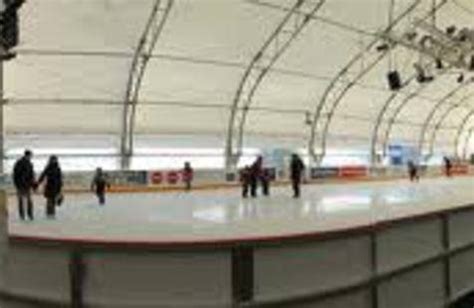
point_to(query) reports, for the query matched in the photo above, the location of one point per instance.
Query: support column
(2, 126)
(446, 259)
(3, 238)
(76, 276)
(242, 275)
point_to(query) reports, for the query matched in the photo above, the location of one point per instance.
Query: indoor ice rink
(253, 153)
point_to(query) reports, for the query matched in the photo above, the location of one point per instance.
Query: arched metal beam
(460, 130)
(445, 99)
(143, 51)
(320, 115)
(380, 119)
(261, 64)
(444, 116)
(393, 119)
(469, 136)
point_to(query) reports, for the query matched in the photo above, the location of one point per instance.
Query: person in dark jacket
(53, 176)
(255, 175)
(413, 171)
(296, 172)
(245, 181)
(265, 180)
(448, 166)
(100, 184)
(24, 181)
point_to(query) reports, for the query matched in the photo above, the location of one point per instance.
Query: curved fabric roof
(75, 58)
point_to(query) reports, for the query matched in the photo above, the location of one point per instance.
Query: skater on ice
(53, 177)
(413, 171)
(188, 176)
(100, 184)
(24, 181)
(245, 181)
(296, 173)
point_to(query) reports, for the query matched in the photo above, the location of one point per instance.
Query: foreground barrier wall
(423, 261)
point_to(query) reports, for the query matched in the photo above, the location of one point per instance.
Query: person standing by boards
(448, 166)
(188, 176)
(413, 171)
(100, 184)
(53, 188)
(296, 172)
(24, 181)
(255, 175)
(245, 180)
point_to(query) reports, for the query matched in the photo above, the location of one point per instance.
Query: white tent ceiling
(73, 62)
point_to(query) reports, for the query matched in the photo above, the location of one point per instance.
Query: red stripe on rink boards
(461, 169)
(272, 240)
(353, 171)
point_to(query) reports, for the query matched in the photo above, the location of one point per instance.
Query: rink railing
(172, 180)
(417, 261)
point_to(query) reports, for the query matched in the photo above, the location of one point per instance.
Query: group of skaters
(26, 184)
(51, 178)
(414, 173)
(254, 175)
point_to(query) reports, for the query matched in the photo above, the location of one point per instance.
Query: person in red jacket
(188, 175)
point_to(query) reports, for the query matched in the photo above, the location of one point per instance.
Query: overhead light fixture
(451, 30)
(439, 64)
(421, 75)
(411, 36)
(383, 47)
(394, 80)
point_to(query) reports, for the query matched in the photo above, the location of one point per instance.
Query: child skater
(99, 184)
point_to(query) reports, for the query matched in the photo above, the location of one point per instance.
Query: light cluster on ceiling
(450, 49)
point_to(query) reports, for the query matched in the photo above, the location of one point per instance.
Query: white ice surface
(223, 214)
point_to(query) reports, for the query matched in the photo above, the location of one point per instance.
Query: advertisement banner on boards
(172, 177)
(78, 179)
(324, 173)
(6, 181)
(156, 178)
(134, 178)
(460, 169)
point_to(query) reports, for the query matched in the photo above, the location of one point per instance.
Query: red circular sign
(173, 177)
(156, 178)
